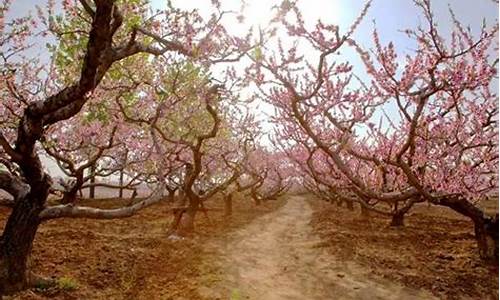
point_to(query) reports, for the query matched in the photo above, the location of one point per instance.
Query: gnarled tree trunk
(92, 181)
(486, 233)
(485, 227)
(398, 215)
(171, 194)
(17, 239)
(397, 219)
(183, 223)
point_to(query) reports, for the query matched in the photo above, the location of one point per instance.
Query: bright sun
(259, 12)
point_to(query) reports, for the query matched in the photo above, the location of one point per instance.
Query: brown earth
(435, 251)
(298, 249)
(278, 256)
(130, 258)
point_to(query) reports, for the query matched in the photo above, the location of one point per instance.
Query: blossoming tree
(37, 96)
(439, 143)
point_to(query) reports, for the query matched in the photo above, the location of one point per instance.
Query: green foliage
(68, 53)
(50, 286)
(44, 285)
(72, 40)
(133, 21)
(235, 294)
(130, 98)
(67, 283)
(257, 54)
(97, 112)
(189, 118)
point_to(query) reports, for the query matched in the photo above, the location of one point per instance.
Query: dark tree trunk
(186, 223)
(171, 196)
(183, 223)
(92, 181)
(349, 205)
(120, 190)
(71, 195)
(398, 216)
(228, 205)
(486, 232)
(397, 220)
(17, 239)
(365, 212)
(255, 197)
(178, 212)
(485, 227)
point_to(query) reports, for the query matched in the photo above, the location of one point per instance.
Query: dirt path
(278, 257)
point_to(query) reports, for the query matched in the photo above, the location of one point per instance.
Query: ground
(278, 257)
(130, 258)
(435, 251)
(294, 248)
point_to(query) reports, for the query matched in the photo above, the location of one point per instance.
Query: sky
(390, 17)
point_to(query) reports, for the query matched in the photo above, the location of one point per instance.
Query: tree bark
(365, 212)
(92, 181)
(17, 239)
(486, 233)
(186, 223)
(397, 219)
(170, 196)
(485, 227)
(350, 205)
(228, 205)
(183, 223)
(399, 214)
(120, 190)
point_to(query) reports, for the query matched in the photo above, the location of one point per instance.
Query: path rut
(278, 256)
